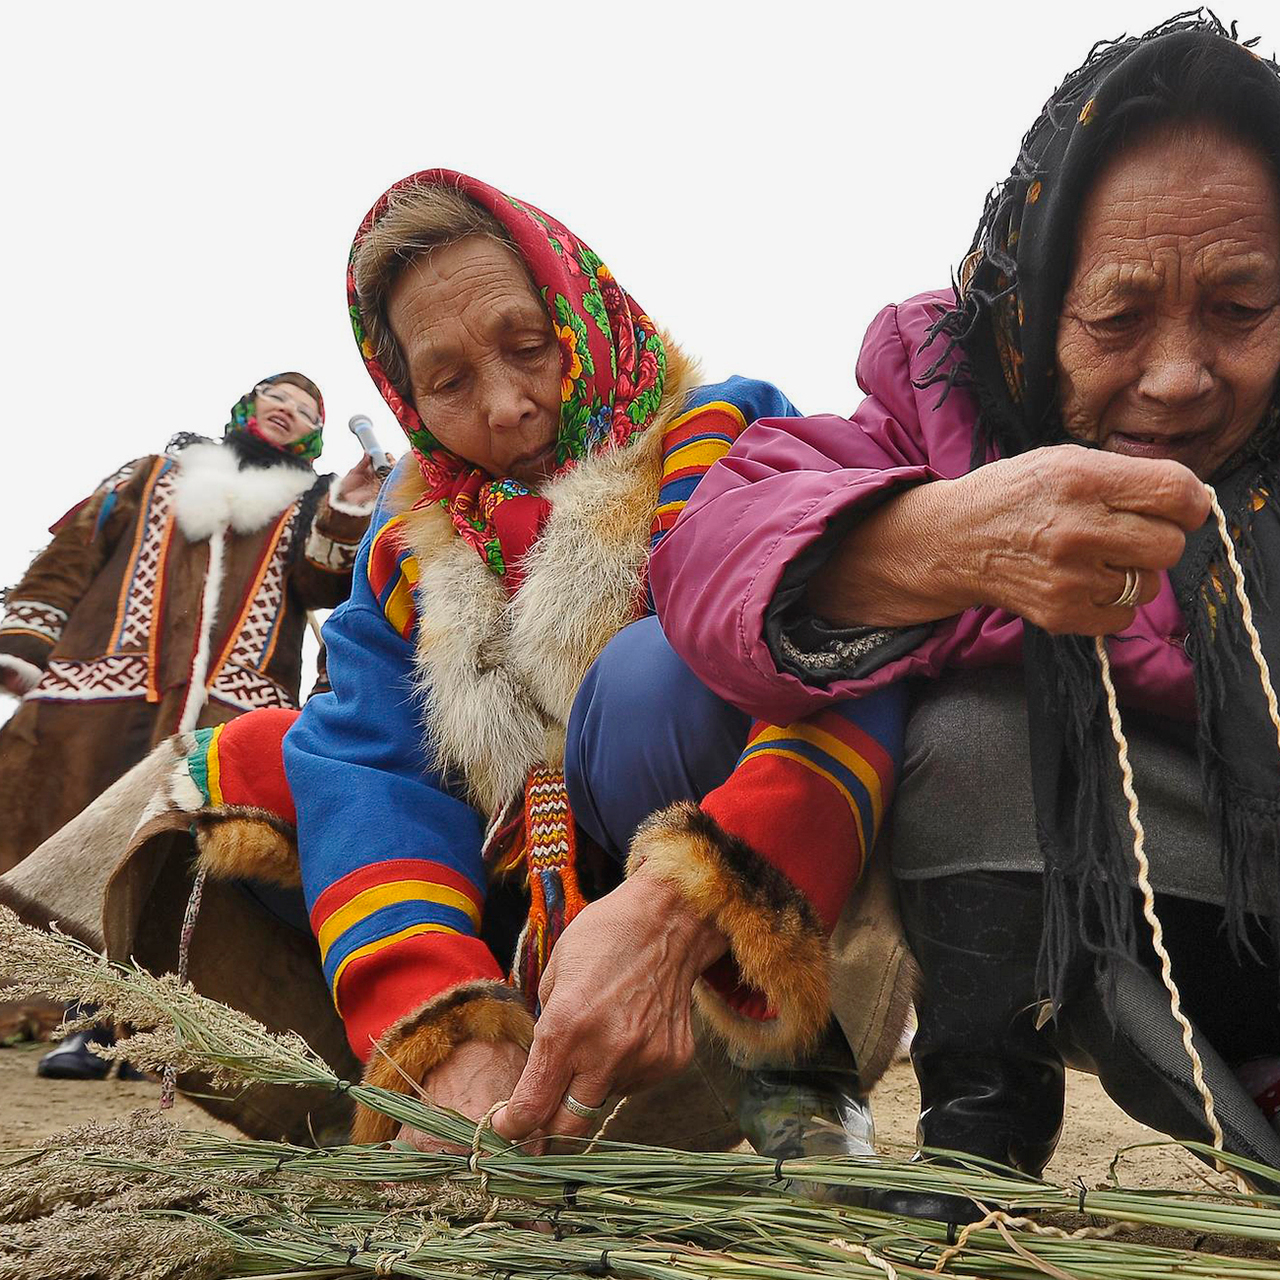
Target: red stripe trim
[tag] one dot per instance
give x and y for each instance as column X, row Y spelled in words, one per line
column 703, row 423
column 671, row 476
column 340, row 892
column 378, row 990
column 384, row 558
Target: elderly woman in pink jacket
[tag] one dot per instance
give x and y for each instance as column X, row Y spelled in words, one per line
column 1026, row 474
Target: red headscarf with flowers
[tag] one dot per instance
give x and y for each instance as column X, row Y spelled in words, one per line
column 612, row 370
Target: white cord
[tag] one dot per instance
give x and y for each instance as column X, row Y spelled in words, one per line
column 1148, row 894
column 1135, row 822
column 1246, row 612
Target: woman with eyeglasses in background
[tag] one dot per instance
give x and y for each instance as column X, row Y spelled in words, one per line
column 174, row 596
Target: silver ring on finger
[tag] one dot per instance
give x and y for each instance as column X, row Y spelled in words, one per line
column 1129, row 596
column 580, row 1109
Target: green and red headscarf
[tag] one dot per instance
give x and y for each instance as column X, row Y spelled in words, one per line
column 244, row 418
column 612, row 372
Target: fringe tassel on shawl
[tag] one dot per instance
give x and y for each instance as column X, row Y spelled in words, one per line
column 1087, row 876
column 1087, row 900
column 1249, row 824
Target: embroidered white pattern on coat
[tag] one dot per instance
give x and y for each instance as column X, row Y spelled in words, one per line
column 111, row 678
column 34, row 615
column 257, row 631
column 247, row 690
column 238, row 680
column 144, row 578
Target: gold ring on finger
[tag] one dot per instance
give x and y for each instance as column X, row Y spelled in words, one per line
column 1129, row 596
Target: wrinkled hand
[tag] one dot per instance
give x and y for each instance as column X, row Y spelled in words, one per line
column 1055, row 529
column 12, row 682
column 615, row 1006
column 361, row 484
column 469, row 1081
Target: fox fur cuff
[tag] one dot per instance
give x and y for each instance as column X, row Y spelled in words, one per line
column 241, row 842
column 408, row 1049
column 781, row 1002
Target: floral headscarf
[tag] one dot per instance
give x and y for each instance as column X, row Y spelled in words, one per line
column 612, row 365
column 244, row 419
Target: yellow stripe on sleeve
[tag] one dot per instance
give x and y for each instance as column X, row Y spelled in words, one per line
column 697, row 453
column 213, row 769
column 378, row 944
column 838, row 751
column 385, row 895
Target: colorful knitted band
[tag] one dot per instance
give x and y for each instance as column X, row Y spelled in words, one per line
column 202, row 765
column 244, row 418
column 612, row 361
column 550, row 848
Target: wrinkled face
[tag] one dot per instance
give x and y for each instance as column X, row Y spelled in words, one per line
column 1169, row 337
column 483, row 362
column 284, row 413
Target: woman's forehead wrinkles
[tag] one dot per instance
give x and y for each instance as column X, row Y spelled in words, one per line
column 433, row 348
column 1220, row 264
column 1120, row 278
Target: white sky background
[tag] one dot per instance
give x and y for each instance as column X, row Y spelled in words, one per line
column 182, row 183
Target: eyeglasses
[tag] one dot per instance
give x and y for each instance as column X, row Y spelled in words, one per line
column 278, row 397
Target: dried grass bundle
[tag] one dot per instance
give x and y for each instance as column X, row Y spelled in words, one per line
column 144, row 1201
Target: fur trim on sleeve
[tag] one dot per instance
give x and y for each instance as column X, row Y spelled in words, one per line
column 408, row 1049
column 345, row 508
column 27, row 672
column 781, row 1003
column 239, row 842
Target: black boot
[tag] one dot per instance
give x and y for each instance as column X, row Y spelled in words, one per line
column 74, row 1058
column 991, row 1085
column 811, row 1107
column 1125, row 1033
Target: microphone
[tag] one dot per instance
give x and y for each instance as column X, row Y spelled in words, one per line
column 362, row 428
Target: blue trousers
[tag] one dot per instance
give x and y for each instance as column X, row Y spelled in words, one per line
column 644, row 732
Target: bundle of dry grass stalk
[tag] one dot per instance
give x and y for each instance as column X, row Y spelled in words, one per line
column 145, row 1201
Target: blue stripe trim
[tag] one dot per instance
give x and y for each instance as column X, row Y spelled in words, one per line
column 391, row 919
column 678, row 490
column 849, row 780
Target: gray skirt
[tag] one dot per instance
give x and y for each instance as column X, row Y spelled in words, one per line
column 964, row 803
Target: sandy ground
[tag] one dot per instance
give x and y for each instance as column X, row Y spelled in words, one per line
column 32, row 1109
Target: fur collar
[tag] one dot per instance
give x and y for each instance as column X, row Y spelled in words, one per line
column 211, row 492
column 498, row 676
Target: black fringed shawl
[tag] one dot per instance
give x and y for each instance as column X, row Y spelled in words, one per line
column 1005, row 329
